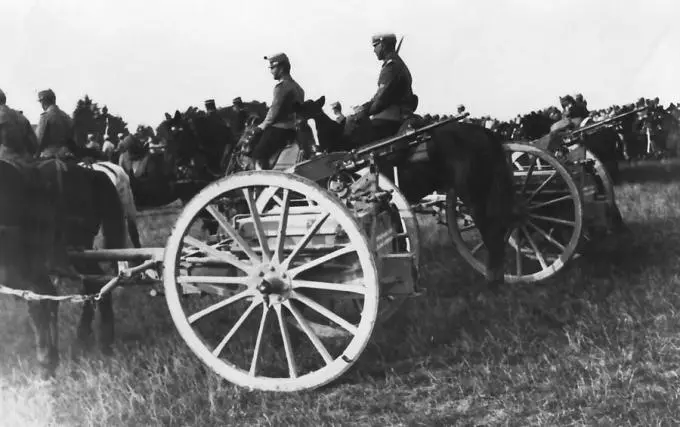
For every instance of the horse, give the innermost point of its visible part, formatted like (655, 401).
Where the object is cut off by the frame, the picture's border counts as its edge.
(38, 201)
(463, 157)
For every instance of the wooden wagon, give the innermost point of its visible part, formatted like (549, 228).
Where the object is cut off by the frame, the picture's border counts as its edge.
(306, 263)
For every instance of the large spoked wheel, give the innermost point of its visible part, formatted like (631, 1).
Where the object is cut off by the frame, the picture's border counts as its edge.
(275, 285)
(547, 222)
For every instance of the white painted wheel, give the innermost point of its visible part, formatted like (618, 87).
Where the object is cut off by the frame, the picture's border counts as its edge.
(547, 224)
(277, 269)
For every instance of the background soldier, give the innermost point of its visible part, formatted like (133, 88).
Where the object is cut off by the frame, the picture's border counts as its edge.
(394, 101)
(55, 128)
(19, 137)
(239, 118)
(278, 127)
(337, 111)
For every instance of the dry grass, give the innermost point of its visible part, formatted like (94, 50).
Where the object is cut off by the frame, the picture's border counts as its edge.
(598, 345)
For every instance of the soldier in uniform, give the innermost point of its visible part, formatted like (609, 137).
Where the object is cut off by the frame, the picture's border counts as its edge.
(19, 140)
(278, 127)
(55, 128)
(337, 111)
(394, 101)
(239, 118)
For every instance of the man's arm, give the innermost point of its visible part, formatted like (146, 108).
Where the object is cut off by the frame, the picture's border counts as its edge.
(387, 86)
(275, 109)
(42, 132)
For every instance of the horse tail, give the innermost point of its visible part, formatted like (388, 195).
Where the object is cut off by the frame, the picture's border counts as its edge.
(501, 192)
(110, 212)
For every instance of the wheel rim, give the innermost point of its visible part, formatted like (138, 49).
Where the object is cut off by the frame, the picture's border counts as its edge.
(266, 283)
(547, 219)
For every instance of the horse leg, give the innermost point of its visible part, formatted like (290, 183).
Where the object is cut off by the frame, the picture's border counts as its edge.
(106, 324)
(44, 321)
(134, 233)
(87, 316)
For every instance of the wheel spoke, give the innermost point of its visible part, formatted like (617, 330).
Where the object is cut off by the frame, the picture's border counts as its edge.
(305, 239)
(224, 256)
(477, 248)
(538, 253)
(325, 312)
(310, 334)
(220, 347)
(208, 310)
(518, 253)
(528, 177)
(550, 202)
(283, 224)
(216, 280)
(264, 197)
(257, 223)
(542, 186)
(287, 345)
(354, 286)
(222, 221)
(318, 261)
(258, 341)
(546, 235)
(553, 220)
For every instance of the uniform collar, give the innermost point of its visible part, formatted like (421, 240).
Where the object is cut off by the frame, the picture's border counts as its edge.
(389, 57)
(286, 77)
(50, 109)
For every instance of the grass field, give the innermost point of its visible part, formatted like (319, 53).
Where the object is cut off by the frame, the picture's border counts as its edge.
(597, 345)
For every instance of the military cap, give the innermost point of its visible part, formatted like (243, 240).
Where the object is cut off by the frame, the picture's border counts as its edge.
(277, 59)
(237, 100)
(335, 105)
(384, 37)
(46, 94)
(210, 104)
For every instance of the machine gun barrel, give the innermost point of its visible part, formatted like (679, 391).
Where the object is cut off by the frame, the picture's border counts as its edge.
(392, 144)
(604, 122)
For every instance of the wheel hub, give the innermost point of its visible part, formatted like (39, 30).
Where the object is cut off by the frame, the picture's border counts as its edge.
(272, 282)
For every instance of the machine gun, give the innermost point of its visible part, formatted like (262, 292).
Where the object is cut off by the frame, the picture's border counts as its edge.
(361, 157)
(577, 134)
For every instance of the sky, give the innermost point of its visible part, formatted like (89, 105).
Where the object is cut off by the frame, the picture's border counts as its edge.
(143, 58)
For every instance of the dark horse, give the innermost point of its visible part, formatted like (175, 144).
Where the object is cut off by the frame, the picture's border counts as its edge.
(37, 201)
(463, 157)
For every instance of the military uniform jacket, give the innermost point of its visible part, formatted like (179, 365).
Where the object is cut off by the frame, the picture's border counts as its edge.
(394, 98)
(286, 93)
(19, 134)
(55, 129)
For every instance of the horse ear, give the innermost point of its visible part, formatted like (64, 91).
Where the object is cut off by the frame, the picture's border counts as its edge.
(321, 101)
(168, 116)
(178, 115)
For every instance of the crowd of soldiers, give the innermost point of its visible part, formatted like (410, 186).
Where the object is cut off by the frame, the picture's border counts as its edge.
(393, 101)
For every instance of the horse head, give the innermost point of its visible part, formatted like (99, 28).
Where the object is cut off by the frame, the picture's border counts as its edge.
(333, 136)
